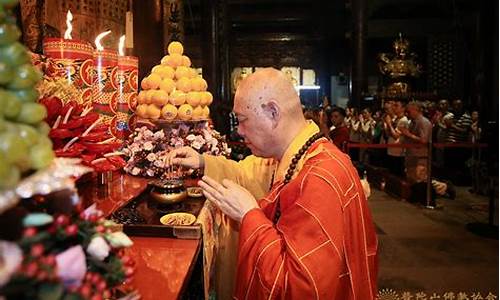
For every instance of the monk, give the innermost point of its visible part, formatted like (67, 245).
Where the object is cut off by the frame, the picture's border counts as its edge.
(306, 231)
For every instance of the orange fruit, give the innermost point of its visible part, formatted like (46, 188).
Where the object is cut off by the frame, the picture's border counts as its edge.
(206, 112)
(159, 98)
(183, 84)
(177, 98)
(149, 96)
(186, 61)
(169, 112)
(198, 84)
(141, 110)
(153, 112)
(189, 73)
(185, 112)
(194, 73)
(156, 69)
(193, 82)
(197, 113)
(182, 72)
(203, 84)
(141, 98)
(205, 98)
(175, 48)
(193, 98)
(165, 61)
(164, 71)
(154, 81)
(145, 83)
(175, 60)
(167, 85)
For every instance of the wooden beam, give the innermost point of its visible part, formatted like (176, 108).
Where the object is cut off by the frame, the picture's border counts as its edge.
(413, 27)
(279, 37)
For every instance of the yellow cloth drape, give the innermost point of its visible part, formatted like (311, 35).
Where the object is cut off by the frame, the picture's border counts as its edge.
(254, 174)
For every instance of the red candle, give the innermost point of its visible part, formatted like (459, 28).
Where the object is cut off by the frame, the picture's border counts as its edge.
(103, 89)
(76, 58)
(124, 102)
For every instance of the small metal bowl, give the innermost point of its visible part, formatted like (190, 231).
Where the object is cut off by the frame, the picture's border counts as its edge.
(168, 191)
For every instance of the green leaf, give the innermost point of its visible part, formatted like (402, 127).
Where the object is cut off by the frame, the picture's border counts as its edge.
(50, 291)
(38, 238)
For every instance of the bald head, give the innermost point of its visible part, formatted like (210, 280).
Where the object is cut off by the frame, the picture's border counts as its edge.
(269, 112)
(268, 85)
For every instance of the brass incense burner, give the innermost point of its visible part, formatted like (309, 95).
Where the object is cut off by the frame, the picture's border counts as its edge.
(399, 67)
(168, 191)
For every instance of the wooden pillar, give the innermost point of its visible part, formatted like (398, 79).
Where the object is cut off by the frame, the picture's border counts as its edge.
(148, 33)
(358, 75)
(215, 51)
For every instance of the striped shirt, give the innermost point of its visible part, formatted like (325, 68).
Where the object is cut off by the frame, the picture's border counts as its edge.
(464, 122)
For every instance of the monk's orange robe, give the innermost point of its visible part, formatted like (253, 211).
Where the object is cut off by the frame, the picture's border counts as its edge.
(324, 245)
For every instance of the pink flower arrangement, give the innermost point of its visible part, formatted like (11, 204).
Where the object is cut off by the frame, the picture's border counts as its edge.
(146, 148)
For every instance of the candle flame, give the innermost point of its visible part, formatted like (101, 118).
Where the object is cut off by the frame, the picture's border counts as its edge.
(99, 38)
(121, 46)
(69, 27)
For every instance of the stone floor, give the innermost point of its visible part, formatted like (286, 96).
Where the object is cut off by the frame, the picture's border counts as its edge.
(424, 252)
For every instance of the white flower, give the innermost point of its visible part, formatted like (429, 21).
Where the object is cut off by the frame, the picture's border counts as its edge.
(118, 239)
(148, 134)
(191, 137)
(159, 134)
(98, 248)
(207, 134)
(135, 171)
(159, 163)
(214, 143)
(135, 147)
(150, 173)
(151, 157)
(200, 139)
(196, 145)
(148, 146)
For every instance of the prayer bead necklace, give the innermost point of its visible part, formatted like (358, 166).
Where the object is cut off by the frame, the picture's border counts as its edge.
(291, 170)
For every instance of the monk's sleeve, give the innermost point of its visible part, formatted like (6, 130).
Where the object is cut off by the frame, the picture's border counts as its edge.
(252, 173)
(301, 257)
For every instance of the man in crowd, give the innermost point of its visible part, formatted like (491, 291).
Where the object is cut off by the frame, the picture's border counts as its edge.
(310, 236)
(340, 133)
(460, 124)
(419, 133)
(394, 128)
(442, 117)
(455, 158)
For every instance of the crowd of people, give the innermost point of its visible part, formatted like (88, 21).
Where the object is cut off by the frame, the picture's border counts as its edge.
(406, 128)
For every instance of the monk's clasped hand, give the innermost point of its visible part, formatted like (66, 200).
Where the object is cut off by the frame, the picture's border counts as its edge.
(232, 199)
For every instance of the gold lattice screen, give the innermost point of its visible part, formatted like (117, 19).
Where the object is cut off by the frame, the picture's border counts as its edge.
(43, 18)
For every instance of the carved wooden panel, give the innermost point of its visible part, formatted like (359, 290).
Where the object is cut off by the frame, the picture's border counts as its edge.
(442, 66)
(42, 18)
(275, 54)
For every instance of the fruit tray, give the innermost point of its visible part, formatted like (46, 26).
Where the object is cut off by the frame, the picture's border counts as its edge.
(141, 217)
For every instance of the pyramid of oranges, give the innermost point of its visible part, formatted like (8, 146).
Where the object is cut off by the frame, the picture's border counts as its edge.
(174, 90)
